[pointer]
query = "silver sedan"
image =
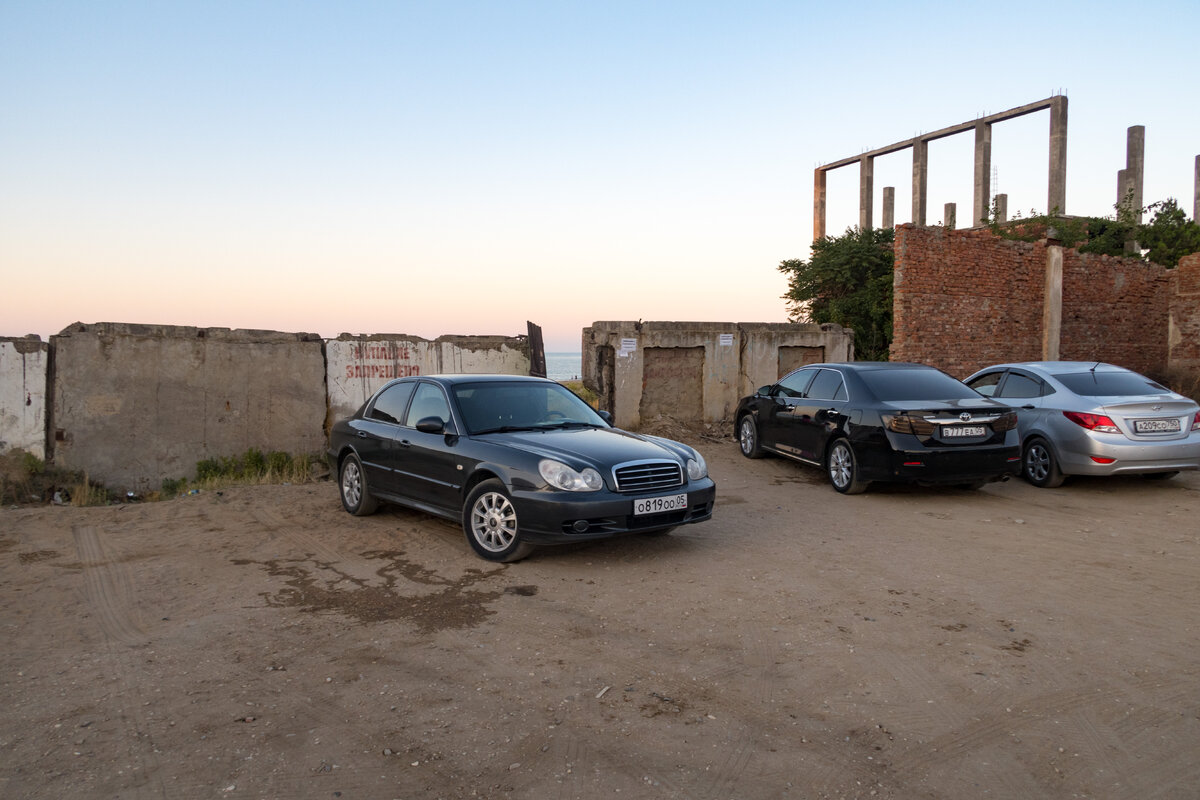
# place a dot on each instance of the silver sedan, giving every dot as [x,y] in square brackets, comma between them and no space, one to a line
[1088,418]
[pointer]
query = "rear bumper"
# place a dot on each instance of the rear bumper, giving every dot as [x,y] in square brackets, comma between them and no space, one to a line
[1075,457]
[947,466]
[554,517]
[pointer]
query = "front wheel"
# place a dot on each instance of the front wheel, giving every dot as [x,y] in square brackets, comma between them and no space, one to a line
[490,522]
[748,437]
[842,467]
[352,482]
[1039,465]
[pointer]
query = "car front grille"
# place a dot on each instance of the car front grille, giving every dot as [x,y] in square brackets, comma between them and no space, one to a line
[646,476]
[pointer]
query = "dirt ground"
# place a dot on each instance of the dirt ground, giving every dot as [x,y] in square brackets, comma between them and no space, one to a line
[907,643]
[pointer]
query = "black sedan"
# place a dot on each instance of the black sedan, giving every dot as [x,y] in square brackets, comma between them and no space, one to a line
[881,421]
[519,461]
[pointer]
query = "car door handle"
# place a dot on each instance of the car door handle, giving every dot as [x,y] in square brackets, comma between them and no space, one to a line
[362,434]
[1029,408]
[405,443]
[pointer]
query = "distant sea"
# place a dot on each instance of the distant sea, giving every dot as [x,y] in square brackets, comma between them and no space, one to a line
[564,366]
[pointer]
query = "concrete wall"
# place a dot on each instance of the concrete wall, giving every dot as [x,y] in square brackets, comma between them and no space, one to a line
[967,299]
[1183,339]
[357,365]
[23,364]
[696,370]
[134,404]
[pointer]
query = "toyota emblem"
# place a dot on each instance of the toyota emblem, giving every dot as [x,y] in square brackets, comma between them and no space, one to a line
[965,416]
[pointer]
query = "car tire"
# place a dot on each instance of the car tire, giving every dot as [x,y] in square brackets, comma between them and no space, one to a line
[352,485]
[489,520]
[1039,466]
[747,433]
[842,468]
[1160,476]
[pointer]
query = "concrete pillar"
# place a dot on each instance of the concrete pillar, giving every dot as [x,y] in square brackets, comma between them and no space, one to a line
[866,190]
[950,211]
[983,171]
[889,207]
[1196,193]
[1135,164]
[1052,303]
[1001,208]
[1123,188]
[920,180]
[1056,201]
[818,204]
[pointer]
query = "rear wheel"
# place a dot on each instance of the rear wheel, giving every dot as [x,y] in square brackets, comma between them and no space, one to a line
[490,522]
[1039,465]
[842,467]
[352,483]
[748,437]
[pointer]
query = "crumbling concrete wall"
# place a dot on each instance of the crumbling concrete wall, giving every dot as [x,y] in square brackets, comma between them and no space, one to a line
[134,404]
[357,365]
[1183,338]
[695,371]
[23,365]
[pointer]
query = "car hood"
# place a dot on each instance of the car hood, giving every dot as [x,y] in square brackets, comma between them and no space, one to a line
[597,447]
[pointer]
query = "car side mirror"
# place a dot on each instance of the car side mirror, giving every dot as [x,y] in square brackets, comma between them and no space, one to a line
[765,391]
[607,417]
[431,425]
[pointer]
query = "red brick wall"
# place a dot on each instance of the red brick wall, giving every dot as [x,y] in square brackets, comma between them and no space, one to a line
[966,299]
[1184,342]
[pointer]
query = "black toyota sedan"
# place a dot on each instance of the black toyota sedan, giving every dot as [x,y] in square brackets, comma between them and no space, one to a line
[881,421]
[519,461]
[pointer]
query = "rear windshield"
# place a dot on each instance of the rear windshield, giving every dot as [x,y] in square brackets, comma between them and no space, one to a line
[1110,384]
[892,385]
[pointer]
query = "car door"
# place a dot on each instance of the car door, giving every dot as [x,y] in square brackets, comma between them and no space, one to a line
[819,414]
[375,435]
[775,410]
[427,468]
[1027,393]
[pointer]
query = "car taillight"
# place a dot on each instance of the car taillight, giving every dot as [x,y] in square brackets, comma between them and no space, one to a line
[1196,422]
[903,423]
[1093,422]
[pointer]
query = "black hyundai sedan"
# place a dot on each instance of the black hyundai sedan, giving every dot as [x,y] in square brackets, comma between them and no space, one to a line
[881,421]
[519,461]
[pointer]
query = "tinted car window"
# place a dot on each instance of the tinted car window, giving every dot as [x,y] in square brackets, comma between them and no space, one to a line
[428,402]
[795,384]
[1019,385]
[827,386]
[895,385]
[986,384]
[389,407]
[494,406]
[1110,384]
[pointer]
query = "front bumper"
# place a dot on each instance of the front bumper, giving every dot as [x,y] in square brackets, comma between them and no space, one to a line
[557,517]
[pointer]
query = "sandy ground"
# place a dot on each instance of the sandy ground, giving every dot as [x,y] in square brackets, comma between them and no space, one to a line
[907,643]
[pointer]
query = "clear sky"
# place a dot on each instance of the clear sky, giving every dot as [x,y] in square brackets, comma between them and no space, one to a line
[461,167]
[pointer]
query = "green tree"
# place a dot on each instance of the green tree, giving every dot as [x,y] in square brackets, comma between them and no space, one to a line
[1169,235]
[848,280]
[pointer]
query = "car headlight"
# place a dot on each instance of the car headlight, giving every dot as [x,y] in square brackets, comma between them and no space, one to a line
[696,468]
[560,476]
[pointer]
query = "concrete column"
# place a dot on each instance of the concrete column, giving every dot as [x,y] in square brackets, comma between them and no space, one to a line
[1135,164]
[889,207]
[983,171]
[920,180]
[950,213]
[1196,192]
[1123,188]
[1056,201]
[1052,303]
[818,204]
[866,190]
[1001,208]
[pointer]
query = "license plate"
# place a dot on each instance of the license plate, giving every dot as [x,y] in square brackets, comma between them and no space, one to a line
[959,431]
[1156,425]
[659,505]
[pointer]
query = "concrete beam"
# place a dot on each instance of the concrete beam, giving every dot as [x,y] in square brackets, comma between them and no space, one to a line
[866,191]
[818,204]
[920,180]
[1056,201]
[1135,166]
[983,171]
[889,207]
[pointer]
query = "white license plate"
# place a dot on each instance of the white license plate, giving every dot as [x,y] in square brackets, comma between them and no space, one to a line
[659,505]
[963,430]
[1156,425]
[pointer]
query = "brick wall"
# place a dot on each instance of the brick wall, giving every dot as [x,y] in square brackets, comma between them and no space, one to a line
[966,299]
[1184,335]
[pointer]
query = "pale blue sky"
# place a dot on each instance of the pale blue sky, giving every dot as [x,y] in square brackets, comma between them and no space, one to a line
[459,167]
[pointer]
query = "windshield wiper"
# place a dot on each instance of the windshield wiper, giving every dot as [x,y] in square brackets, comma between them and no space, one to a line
[508,429]
[571,423]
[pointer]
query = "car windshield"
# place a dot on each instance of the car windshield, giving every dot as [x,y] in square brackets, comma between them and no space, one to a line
[1110,384]
[904,385]
[522,405]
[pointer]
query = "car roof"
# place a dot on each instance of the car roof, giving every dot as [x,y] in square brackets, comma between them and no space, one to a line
[1059,367]
[451,379]
[870,366]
